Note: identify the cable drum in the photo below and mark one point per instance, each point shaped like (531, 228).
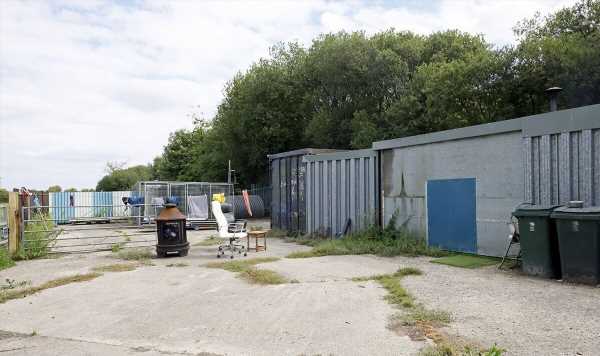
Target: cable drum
(256, 205)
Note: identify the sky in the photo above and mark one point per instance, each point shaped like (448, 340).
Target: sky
(86, 82)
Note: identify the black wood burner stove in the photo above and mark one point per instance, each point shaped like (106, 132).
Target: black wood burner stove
(170, 227)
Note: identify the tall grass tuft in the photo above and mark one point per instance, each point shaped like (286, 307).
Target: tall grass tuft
(5, 260)
(39, 237)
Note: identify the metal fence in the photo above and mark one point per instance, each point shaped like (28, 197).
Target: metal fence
(43, 230)
(340, 192)
(190, 197)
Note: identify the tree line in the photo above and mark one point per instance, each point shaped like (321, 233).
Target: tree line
(349, 89)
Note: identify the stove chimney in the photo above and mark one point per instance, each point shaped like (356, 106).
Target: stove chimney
(553, 95)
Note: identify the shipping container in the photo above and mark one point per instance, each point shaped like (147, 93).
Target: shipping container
(288, 206)
(341, 192)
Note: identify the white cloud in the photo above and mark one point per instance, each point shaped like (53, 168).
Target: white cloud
(83, 83)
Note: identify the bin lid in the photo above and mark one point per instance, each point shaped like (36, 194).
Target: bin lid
(589, 213)
(527, 209)
(170, 213)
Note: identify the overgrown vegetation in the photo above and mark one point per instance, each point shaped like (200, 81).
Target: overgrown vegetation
(134, 254)
(39, 237)
(276, 233)
(467, 261)
(5, 260)
(457, 349)
(240, 265)
(115, 248)
(118, 267)
(387, 242)
(247, 271)
(262, 276)
(22, 293)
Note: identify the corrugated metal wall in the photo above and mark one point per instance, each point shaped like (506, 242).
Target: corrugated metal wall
(86, 205)
(563, 166)
(287, 205)
(340, 186)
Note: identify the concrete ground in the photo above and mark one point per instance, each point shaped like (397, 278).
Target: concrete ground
(194, 310)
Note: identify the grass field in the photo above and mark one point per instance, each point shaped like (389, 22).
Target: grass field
(467, 261)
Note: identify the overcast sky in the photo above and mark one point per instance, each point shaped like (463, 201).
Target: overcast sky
(86, 82)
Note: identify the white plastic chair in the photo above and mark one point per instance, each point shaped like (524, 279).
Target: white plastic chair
(232, 231)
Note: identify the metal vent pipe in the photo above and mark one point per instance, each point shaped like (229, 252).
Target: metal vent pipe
(553, 95)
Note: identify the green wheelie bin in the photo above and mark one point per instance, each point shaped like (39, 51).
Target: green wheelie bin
(539, 243)
(579, 241)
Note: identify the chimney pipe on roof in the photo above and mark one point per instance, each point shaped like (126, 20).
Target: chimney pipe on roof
(553, 95)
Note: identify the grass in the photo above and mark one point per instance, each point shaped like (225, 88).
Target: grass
(276, 233)
(467, 261)
(179, 264)
(240, 265)
(39, 238)
(117, 267)
(116, 247)
(386, 242)
(22, 293)
(262, 276)
(451, 349)
(134, 254)
(247, 271)
(415, 320)
(5, 260)
(211, 241)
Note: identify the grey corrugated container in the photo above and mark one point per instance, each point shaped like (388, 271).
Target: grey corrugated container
(287, 170)
(341, 189)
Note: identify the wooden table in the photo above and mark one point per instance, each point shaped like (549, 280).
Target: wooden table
(257, 234)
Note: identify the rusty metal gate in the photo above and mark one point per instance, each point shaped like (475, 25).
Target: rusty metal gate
(84, 228)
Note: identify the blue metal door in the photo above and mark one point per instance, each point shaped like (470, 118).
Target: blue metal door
(451, 214)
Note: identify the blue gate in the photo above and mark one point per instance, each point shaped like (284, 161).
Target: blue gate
(451, 214)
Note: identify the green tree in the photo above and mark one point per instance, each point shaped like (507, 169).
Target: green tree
(347, 90)
(123, 178)
(561, 49)
(54, 189)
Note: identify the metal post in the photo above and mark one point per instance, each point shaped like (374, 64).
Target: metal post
(229, 171)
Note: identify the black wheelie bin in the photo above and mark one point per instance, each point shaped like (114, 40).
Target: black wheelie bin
(579, 241)
(539, 243)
